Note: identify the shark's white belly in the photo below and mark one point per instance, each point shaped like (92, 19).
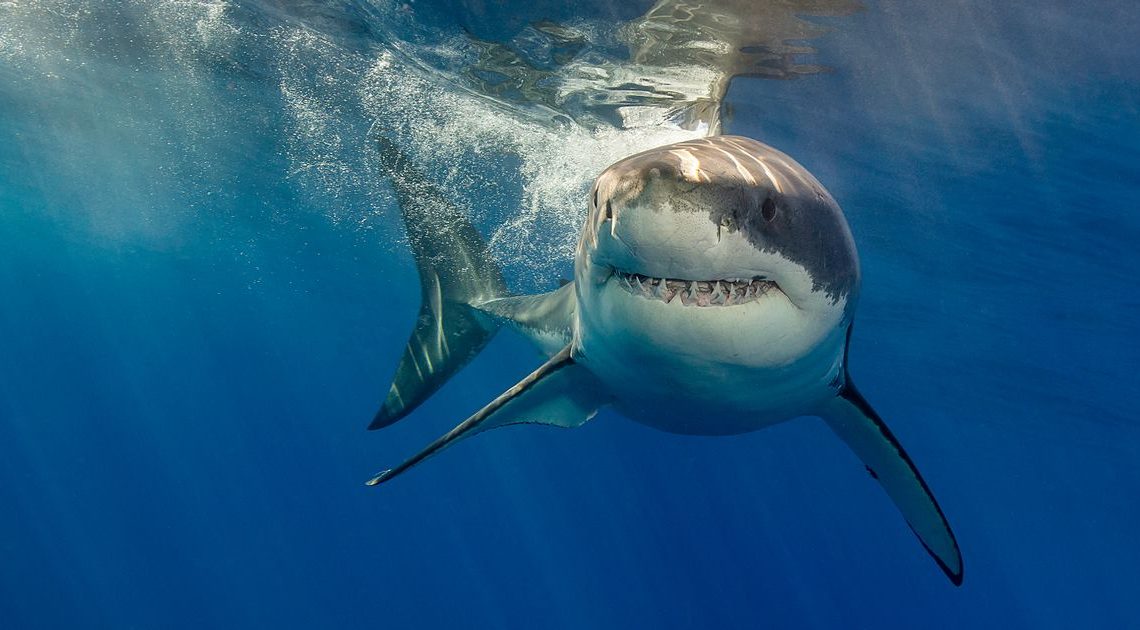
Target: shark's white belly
(709, 370)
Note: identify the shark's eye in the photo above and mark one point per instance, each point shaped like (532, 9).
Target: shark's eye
(609, 210)
(726, 223)
(768, 210)
(595, 197)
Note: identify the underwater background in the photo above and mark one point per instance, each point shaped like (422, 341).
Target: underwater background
(205, 287)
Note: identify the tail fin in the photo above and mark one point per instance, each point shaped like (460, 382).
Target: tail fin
(456, 271)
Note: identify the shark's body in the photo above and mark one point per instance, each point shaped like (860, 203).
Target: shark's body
(714, 287)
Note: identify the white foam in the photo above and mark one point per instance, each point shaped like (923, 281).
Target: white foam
(522, 176)
(473, 137)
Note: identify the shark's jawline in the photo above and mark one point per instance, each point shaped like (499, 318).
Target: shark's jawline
(723, 292)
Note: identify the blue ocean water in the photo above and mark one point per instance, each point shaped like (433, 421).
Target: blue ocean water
(206, 288)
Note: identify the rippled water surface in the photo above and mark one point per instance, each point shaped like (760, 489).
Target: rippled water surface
(205, 286)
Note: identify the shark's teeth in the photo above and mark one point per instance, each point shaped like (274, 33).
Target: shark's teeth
(717, 294)
(726, 292)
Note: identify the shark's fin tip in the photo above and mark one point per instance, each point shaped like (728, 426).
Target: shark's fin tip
(383, 419)
(379, 478)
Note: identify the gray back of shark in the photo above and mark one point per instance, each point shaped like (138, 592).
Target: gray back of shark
(714, 289)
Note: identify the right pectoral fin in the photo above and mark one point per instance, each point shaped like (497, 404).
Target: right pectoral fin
(561, 393)
(853, 420)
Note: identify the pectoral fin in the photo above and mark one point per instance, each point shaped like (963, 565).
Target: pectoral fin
(561, 393)
(867, 435)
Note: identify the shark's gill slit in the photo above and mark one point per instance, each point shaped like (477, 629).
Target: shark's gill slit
(726, 292)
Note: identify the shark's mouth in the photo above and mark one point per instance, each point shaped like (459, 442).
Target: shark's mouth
(728, 292)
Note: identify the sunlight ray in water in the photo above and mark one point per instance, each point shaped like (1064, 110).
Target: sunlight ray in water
(206, 279)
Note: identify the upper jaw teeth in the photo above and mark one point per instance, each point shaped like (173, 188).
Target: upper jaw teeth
(725, 292)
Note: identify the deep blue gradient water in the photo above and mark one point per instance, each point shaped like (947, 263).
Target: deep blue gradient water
(203, 292)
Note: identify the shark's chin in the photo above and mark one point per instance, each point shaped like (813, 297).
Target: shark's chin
(720, 292)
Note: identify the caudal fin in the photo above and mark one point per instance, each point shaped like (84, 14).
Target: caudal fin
(456, 271)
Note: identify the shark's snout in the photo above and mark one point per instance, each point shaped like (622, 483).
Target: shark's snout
(718, 209)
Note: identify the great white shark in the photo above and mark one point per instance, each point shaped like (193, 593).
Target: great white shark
(718, 274)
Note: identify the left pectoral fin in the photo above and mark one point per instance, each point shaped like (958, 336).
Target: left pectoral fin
(867, 435)
(560, 393)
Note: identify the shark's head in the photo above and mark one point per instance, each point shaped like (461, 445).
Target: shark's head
(721, 246)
